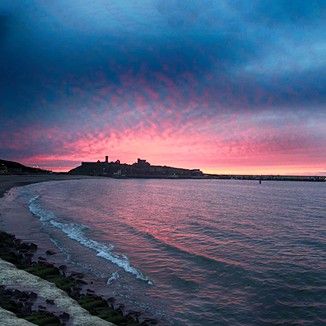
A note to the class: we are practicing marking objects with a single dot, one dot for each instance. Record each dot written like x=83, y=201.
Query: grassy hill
x=9, y=167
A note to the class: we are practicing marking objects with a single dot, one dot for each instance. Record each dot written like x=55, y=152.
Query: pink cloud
x=192, y=133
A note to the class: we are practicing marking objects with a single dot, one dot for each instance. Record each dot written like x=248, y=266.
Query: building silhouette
x=139, y=169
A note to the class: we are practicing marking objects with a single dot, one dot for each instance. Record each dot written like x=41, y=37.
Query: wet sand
x=17, y=220
x=9, y=181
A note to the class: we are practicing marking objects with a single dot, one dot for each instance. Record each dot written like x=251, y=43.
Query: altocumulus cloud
x=201, y=71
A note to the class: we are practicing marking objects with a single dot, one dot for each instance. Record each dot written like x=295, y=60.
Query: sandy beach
x=9, y=181
x=13, y=278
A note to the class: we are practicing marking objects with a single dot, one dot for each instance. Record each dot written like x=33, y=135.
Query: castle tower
x=106, y=159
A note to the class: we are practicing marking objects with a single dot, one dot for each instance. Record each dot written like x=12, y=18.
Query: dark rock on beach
x=27, y=305
x=50, y=252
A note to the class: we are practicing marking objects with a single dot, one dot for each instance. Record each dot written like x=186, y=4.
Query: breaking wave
x=76, y=232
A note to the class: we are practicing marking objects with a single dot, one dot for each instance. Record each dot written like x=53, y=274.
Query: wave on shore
x=76, y=232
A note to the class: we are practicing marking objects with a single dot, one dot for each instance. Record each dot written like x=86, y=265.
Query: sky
x=228, y=86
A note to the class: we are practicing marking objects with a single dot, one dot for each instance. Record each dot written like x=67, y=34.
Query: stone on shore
x=10, y=275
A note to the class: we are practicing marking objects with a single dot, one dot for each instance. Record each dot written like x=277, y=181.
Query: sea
x=194, y=252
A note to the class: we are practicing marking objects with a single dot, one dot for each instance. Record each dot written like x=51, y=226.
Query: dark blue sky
x=221, y=85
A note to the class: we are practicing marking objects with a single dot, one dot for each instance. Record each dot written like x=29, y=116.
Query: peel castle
x=140, y=169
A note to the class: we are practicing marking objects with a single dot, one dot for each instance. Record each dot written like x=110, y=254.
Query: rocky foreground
x=41, y=293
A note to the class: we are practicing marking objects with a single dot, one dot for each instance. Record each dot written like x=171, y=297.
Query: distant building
x=139, y=169
x=141, y=163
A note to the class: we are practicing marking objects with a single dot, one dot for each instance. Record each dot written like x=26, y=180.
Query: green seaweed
x=43, y=319
x=41, y=268
x=94, y=304
x=100, y=308
x=11, y=257
x=11, y=306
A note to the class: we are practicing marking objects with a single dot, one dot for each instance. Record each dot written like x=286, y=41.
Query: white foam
x=76, y=232
x=36, y=209
x=123, y=262
x=115, y=276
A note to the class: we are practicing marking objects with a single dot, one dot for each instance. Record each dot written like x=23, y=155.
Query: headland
x=143, y=169
x=139, y=169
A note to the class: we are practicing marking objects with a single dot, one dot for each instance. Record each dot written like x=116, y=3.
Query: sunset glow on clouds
x=227, y=87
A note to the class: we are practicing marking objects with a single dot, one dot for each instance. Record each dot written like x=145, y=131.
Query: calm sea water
x=196, y=252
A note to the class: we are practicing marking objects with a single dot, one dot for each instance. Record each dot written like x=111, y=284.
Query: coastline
x=53, y=258
x=9, y=181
